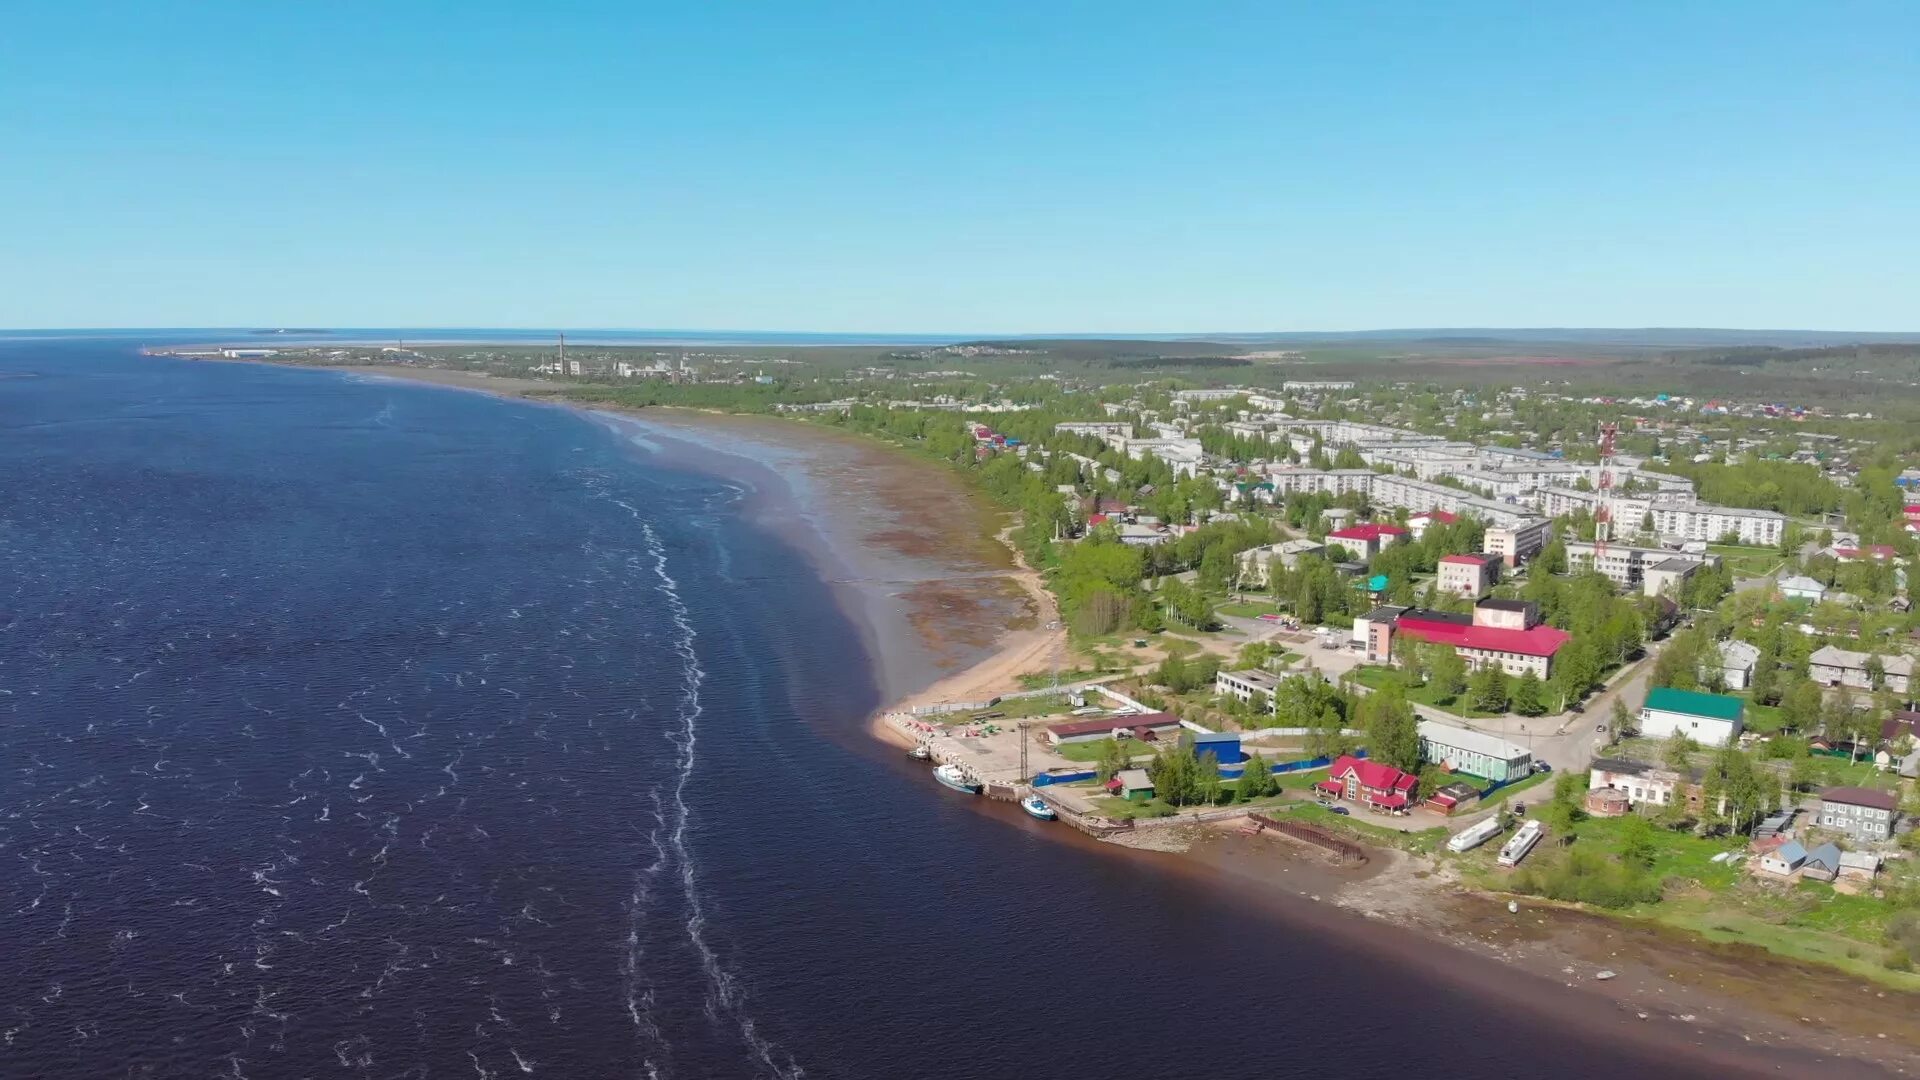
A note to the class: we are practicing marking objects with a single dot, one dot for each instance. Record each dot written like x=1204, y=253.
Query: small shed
x=1608, y=802
x=1859, y=867
x=1452, y=797
x=1133, y=785
x=1223, y=745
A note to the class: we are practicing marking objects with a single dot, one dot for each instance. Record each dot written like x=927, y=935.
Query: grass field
x=1515, y=788
x=1423, y=840
x=1090, y=751
x=1374, y=677
x=1747, y=561
x=1250, y=610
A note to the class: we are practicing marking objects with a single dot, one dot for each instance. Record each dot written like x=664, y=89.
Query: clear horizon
x=1111, y=169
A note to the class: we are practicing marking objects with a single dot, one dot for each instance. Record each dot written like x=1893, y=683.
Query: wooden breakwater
x=1319, y=837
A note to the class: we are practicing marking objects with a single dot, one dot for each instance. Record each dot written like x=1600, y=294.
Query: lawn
x=1747, y=561
x=1090, y=750
x=1374, y=677
x=1515, y=788
x=1154, y=808
x=1834, y=929
x=1250, y=610
x=1764, y=719
x=1676, y=854
x=1422, y=841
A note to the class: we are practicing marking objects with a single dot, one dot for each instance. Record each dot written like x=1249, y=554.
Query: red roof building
x=1878, y=552
x=1368, y=539
x=1370, y=783
x=1503, y=632
x=1139, y=724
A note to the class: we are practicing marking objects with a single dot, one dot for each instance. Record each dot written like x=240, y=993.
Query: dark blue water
x=359, y=729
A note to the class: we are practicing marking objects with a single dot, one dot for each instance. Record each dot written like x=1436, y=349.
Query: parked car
x=1342, y=811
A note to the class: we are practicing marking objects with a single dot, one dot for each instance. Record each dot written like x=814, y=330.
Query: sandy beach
x=947, y=613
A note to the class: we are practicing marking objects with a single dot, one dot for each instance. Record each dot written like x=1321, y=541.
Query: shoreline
x=1745, y=1019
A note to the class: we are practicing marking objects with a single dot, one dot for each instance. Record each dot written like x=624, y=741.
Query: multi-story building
x=1287, y=480
x=1097, y=429
x=1243, y=685
x=1843, y=667
x=1518, y=542
x=1313, y=386
x=1256, y=564
x=1471, y=576
x=1628, y=567
x=1701, y=521
x=1366, y=540
x=1506, y=633
x=1862, y=813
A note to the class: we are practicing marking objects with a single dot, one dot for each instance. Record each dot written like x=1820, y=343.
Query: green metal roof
x=1718, y=706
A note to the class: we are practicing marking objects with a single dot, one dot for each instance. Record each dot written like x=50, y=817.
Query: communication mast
x=1603, y=509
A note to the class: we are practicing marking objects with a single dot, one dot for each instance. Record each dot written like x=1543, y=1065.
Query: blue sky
x=1103, y=167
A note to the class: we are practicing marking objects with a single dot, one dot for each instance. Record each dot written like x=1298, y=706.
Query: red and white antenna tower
x=1603, y=509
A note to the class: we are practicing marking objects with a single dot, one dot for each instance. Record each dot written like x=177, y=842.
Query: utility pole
x=563, y=353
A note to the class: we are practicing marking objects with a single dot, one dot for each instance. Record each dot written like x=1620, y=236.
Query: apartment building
x=1518, y=542
x=1628, y=566
x=1831, y=666
x=1471, y=576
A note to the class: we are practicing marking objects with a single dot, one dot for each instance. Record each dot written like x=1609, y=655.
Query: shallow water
x=356, y=728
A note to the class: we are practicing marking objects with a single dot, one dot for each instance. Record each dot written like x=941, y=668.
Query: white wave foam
x=724, y=995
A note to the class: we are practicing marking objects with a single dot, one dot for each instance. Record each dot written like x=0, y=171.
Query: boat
x=1469, y=839
x=1521, y=843
x=1035, y=805
x=956, y=778
x=920, y=752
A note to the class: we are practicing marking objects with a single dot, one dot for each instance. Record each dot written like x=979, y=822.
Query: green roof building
x=1708, y=719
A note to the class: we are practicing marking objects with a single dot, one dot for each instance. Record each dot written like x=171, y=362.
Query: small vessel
x=1521, y=843
x=1468, y=839
x=1035, y=805
x=955, y=777
x=920, y=752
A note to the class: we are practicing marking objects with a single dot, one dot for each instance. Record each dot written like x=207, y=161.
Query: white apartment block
x=1518, y=542
x=1701, y=521
x=1674, y=515
x=1628, y=567
x=1310, y=387
x=1099, y=430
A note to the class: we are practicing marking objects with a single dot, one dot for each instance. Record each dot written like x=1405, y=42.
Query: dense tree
x=1393, y=734
x=1527, y=698
x=1487, y=690
x=1256, y=778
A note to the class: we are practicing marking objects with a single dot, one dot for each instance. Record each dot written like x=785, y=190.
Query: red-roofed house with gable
x=1417, y=523
x=1366, y=541
x=1913, y=518
x=1372, y=784
x=1503, y=632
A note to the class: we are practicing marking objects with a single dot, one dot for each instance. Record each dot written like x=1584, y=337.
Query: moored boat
x=920, y=752
x=956, y=778
x=1035, y=805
